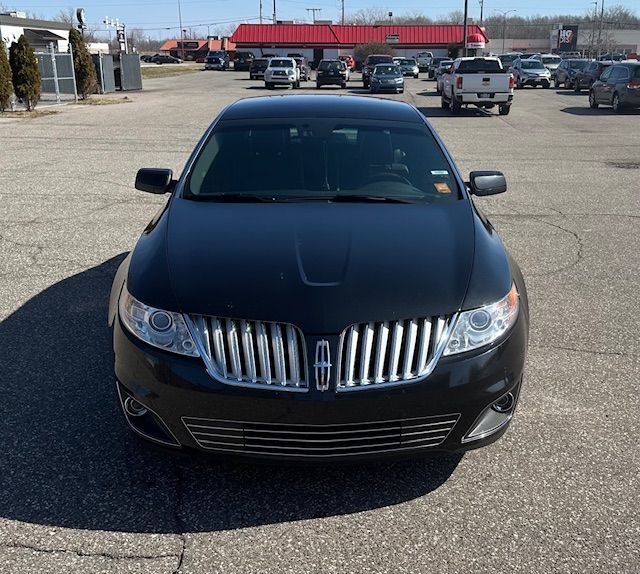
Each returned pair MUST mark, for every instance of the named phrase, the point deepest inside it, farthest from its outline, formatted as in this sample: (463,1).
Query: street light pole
(481,9)
(600,28)
(464,39)
(504,23)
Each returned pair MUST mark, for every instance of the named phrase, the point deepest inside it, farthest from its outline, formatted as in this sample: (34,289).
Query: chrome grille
(252,353)
(302,440)
(386,353)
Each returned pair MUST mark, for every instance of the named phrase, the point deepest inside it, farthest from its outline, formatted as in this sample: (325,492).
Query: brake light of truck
(459,83)
(512,82)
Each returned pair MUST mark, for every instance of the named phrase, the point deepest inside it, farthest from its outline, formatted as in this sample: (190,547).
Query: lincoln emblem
(322,365)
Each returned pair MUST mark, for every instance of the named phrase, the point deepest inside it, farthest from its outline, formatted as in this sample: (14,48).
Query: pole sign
(568,39)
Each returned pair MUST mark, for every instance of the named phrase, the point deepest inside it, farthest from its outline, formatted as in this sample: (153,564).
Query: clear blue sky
(155,16)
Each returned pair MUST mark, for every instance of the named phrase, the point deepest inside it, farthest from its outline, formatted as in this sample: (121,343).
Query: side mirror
(487,182)
(153,180)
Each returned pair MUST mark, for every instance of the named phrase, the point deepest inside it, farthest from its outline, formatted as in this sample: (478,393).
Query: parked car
(217,60)
(476,81)
(408,67)
(164,59)
(550,61)
(586,77)
(424,60)
(371,61)
(433,66)
(331,73)
(257,68)
(530,72)
(442,68)
(242,60)
(305,69)
(567,70)
(146,58)
(508,59)
(372,311)
(349,61)
(282,72)
(386,78)
(618,87)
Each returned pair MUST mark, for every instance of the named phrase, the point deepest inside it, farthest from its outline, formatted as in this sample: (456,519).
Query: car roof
(304,106)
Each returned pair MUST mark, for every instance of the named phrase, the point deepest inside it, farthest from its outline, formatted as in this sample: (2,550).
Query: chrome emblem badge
(322,365)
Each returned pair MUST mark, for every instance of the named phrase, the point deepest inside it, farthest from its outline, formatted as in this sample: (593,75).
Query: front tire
(456,106)
(576,87)
(318,84)
(556,84)
(593,104)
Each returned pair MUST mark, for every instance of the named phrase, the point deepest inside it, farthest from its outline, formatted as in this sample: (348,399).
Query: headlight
(482,326)
(164,329)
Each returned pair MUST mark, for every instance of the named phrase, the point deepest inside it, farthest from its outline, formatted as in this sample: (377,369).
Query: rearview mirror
(154,180)
(487,182)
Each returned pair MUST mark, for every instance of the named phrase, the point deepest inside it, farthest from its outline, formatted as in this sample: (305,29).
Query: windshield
(578,64)
(479,66)
(550,60)
(532,65)
(216,54)
(386,71)
(407,62)
(316,159)
(330,65)
(445,64)
(371,60)
(281,63)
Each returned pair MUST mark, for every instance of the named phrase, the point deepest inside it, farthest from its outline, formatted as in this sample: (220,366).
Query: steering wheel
(387,176)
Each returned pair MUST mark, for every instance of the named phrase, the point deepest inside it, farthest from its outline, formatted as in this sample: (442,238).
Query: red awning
(338,35)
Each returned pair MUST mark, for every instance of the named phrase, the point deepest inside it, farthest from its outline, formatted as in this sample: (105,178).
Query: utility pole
(260,11)
(481,9)
(313,11)
(504,23)
(181,31)
(342,10)
(274,12)
(464,38)
(600,28)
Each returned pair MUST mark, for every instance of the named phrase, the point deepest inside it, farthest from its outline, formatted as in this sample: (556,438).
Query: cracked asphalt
(558,493)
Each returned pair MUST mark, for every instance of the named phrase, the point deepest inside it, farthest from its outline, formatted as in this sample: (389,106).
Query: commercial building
(39,33)
(194,49)
(317,41)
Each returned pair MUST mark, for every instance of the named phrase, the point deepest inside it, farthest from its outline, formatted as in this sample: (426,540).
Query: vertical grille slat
(263,352)
(253,353)
(389,352)
(247,348)
(278,354)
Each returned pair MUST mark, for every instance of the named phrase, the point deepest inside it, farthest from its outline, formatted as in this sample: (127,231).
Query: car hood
(321,266)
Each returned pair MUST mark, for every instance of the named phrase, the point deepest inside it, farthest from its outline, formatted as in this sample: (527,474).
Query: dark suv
(257,68)
(331,73)
(242,61)
(370,63)
(585,77)
(568,70)
(618,87)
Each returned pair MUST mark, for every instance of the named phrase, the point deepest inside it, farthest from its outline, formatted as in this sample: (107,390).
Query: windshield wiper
(235,197)
(350,198)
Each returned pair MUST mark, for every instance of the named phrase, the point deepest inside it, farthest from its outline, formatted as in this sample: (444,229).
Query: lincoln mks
(339,297)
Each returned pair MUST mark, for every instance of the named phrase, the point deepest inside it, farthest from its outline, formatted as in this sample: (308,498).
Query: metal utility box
(104,71)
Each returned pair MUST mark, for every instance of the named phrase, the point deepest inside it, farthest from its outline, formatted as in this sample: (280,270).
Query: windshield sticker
(442,188)
(439,172)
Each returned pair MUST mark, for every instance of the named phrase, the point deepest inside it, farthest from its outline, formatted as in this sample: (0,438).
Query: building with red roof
(194,49)
(335,38)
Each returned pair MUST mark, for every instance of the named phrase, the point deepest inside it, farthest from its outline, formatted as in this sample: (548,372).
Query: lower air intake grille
(253,353)
(295,440)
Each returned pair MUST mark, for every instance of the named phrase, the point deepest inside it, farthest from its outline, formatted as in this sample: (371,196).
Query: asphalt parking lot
(560,492)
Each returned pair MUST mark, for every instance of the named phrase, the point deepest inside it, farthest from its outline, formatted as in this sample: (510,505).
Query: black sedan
(340,297)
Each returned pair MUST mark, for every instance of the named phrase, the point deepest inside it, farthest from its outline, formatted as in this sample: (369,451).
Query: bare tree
(368,16)
(66,15)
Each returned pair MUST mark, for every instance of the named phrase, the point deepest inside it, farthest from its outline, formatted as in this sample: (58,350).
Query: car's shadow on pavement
(67,458)
(471,112)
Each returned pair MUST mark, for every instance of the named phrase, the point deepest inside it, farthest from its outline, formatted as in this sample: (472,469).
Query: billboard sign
(568,39)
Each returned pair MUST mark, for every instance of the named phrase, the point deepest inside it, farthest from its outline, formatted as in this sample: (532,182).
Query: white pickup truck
(481,82)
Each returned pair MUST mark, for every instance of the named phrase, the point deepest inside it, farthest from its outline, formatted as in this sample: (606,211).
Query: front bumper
(386,87)
(537,81)
(209,66)
(179,391)
(280,80)
(331,80)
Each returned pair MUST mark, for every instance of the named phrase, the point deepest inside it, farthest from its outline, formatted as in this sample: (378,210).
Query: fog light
(493,418)
(134,408)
